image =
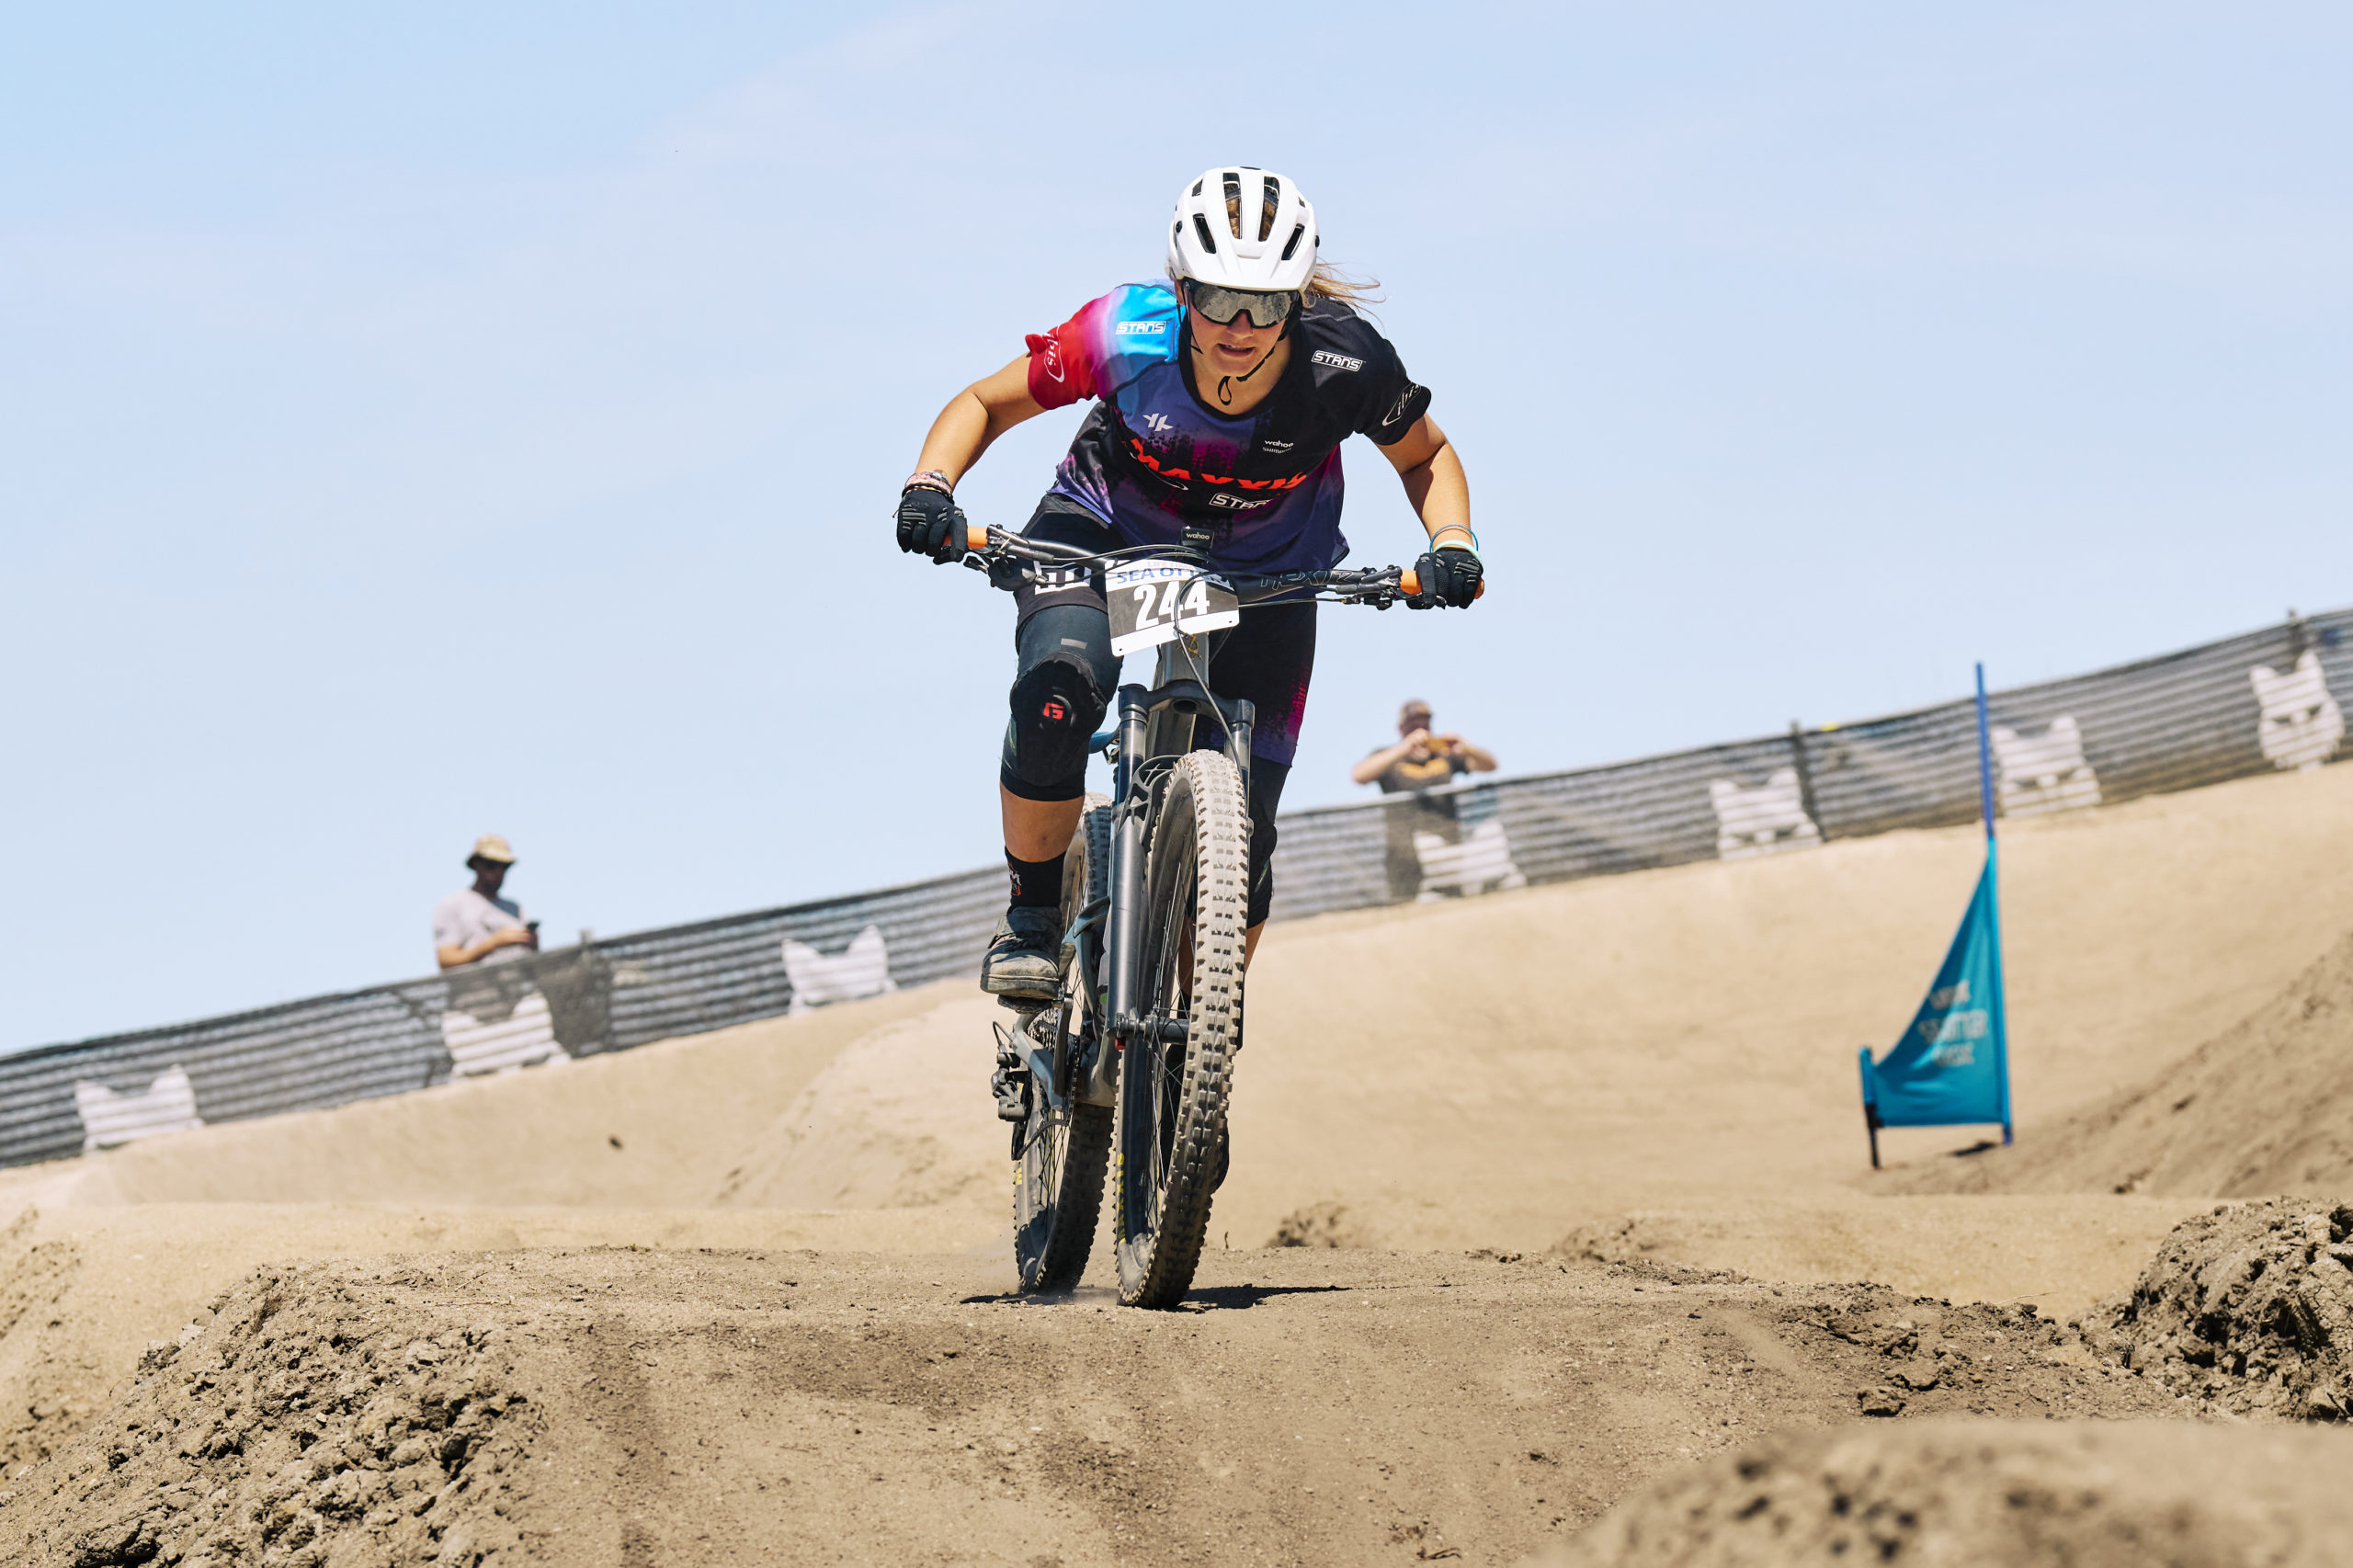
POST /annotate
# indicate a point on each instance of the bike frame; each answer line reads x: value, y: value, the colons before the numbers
x: 1156, y: 726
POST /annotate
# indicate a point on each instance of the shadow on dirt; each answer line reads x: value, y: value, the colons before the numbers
x: 1232, y: 1298
x: 1210, y: 1299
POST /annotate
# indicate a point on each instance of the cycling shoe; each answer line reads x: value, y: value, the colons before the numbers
x: 1024, y: 954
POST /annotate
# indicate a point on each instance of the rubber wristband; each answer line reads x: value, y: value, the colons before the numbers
x: 929, y: 479
x: 1463, y: 528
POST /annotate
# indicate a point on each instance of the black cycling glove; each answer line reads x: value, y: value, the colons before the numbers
x: 930, y: 523
x: 1449, y: 577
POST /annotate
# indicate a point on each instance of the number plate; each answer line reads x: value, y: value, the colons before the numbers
x: 1153, y: 601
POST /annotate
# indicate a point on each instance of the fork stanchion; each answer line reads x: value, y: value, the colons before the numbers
x: 1127, y: 856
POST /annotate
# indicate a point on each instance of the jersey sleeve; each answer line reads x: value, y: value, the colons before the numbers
x: 1063, y: 362
x: 1104, y: 346
x: 1393, y: 403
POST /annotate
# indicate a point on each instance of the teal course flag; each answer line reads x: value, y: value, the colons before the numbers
x: 1952, y: 1067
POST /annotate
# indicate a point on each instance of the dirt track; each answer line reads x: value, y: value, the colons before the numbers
x: 1311, y: 1407
x: 1636, y: 1074
x: 2109, y: 1494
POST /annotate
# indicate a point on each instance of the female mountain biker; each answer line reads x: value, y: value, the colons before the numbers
x: 1222, y: 396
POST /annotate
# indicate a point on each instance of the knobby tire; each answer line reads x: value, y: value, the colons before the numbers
x: 1058, y: 1172
x: 1173, y: 1095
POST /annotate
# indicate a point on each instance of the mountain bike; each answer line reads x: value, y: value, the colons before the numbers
x: 1136, y: 1050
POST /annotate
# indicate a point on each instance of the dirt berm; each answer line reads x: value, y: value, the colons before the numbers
x: 1981, y: 1493
x: 2266, y: 1106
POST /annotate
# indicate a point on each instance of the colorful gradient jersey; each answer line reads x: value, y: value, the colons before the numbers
x: 1153, y: 458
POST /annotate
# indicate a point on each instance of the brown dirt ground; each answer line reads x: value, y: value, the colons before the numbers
x: 1634, y: 1087
x: 620, y: 1406
x: 1961, y: 1494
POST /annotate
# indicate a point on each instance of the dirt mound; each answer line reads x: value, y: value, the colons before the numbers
x: 1309, y: 1406
x: 2249, y: 1309
x: 2265, y: 1107
x: 295, y: 1416
x: 1326, y: 1224
x: 898, y: 1118
x: 2135, y: 1494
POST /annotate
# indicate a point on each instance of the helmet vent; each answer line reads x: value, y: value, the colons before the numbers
x: 1201, y: 227
x: 1274, y: 195
x: 1199, y: 183
x: 1234, y: 202
x: 1291, y: 246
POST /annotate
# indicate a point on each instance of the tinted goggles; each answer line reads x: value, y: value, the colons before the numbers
x: 1221, y: 305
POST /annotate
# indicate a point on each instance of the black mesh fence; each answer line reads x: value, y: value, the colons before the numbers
x: 2255, y: 704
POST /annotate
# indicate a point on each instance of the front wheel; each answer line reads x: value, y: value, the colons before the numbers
x: 1176, y: 1078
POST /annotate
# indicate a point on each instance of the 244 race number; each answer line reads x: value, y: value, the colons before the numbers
x: 1154, y: 602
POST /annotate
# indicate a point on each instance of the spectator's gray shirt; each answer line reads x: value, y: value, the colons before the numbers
x: 465, y: 918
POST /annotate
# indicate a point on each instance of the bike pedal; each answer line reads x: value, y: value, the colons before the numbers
x: 1011, y: 1087
x: 1010, y: 1081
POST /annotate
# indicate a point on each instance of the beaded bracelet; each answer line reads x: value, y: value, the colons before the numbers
x: 929, y: 479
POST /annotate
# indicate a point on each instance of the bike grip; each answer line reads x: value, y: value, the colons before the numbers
x: 1409, y: 582
x: 976, y: 536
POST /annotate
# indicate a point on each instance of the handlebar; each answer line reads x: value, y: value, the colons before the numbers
x: 1378, y: 585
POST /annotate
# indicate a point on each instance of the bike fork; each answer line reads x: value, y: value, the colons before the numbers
x: 1126, y: 882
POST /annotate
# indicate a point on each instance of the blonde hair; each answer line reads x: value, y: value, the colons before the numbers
x: 1328, y: 282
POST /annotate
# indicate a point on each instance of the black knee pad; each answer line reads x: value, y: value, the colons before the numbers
x: 1056, y: 706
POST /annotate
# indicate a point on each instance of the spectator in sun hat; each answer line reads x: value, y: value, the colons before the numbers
x: 475, y: 925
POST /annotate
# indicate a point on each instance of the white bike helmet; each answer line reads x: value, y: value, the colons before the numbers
x: 1207, y: 243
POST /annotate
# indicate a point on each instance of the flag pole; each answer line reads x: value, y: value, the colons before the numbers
x: 1984, y: 761
x: 1993, y: 887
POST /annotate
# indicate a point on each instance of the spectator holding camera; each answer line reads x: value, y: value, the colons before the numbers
x: 1420, y: 758
x: 1417, y: 763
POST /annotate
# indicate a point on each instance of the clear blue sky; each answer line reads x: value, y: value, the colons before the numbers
x: 421, y: 420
